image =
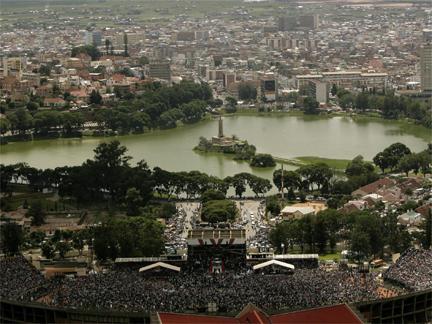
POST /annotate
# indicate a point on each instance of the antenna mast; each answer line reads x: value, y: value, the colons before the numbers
x: 282, y: 183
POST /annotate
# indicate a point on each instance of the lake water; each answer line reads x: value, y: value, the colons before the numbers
x: 281, y: 136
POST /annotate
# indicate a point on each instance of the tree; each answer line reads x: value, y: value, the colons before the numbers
x: 128, y: 237
x: 272, y: 205
x: 5, y: 125
x: 166, y: 210
x: 346, y: 100
x: 390, y: 157
x: 381, y: 161
x: 133, y: 202
x: 20, y: 120
x: 32, y: 106
x: 258, y: 185
x: 108, y: 166
x: 45, y: 70
x: 231, y: 106
x: 359, y: 173
x: 37, y: 238
x: 362, y: 101
x: 125, y: 41
x: 367, y: 227
x: 37, y: 213
x: 334, y: 89
x: 95, y: 97
x: 90, y: 50
x: 215, y: 211
x: 143, y: 60
x: 44, y: 121
x: 310, y: 106
x: 291, y: 179
x: 247, y: 91
x: 238, y: 181
x: 193, y: 111
x: 281, y: 235
x: 107, y: 45
x: 320, y: 233
x: 78, y: 239
x: 212, y: 194
x: 48, y: 250
x: 360, y: 243
x: 12, y: 238
x: 263, y: 161
x: 63, y: 247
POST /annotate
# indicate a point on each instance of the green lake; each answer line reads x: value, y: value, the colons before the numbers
x: 280, y: 135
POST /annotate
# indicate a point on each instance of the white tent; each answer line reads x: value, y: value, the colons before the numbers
x: 160, y: 264
x: 273, y: 262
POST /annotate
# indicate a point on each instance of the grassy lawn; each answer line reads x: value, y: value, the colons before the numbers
x: 330, y: 256
x: 340, y: 164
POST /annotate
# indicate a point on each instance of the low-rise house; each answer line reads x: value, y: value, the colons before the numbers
x: 316, y: 205
x: 392, y: 195
x: 410, y: 218
x: 54, y: 102
x: 373, y: 187
x: 424, y: 210
x: 353, y: 206
x: 292, y: 212
x: 410, y: 184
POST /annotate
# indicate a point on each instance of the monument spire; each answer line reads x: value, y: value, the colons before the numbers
x: 220, y: 127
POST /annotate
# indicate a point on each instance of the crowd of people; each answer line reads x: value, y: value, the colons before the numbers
x: 128, y: 290
x: 413, y: 270
x: 19, y: 279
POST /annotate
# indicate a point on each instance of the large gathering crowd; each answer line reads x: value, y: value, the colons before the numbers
x: 126, y: 289
x: 413, y: 269
x: 19, y: 279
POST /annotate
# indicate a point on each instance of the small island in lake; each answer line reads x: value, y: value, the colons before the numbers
x: 241, y: 150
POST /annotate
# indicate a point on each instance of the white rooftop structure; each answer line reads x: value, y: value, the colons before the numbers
x: 273, y: 262
x: 160, y: 265
x: 303, y: 210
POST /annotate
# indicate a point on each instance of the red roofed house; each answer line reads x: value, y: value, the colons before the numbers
x: 253, y: 315
x: 54, y: 102
x: 373, y: 187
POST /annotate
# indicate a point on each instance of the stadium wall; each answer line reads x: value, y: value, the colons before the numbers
x: 20, y: 312
x: 409, y: 308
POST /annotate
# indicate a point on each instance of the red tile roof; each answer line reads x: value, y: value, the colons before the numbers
x: 331, y: 314
x: 374, y: 186
x: 174, y: 318
x: 252, y: 315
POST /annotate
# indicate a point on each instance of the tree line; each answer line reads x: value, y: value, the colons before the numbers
x: 366, y: 232
x: 110, y: 176
x: 389, y: 105
x: 158, y: 106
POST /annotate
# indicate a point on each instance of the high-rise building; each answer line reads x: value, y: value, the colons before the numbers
x: 97, y: 38
x: 426, y: 62
x: 93, y: 37
x: 229, y: 78
x: 12, y: 66
x: 288, y: 23
x: 160, y: 70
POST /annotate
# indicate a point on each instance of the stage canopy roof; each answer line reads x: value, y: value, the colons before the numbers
x: 273, y: 262
x: 161, y: 265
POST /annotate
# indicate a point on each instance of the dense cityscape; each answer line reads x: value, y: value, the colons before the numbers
x: 216, y: 161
